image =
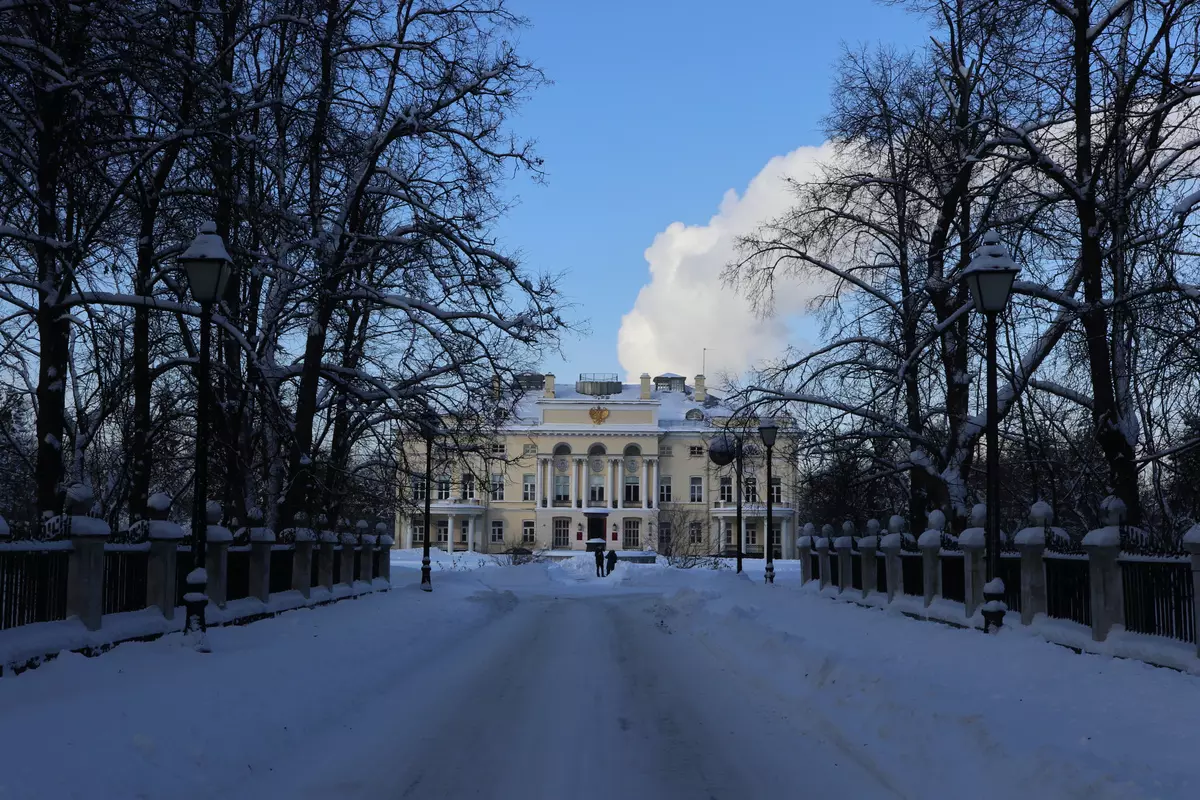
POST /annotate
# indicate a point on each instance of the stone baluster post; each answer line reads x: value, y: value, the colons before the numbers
x: 302, y: 556
x: 216, y: 555
x: 348, y: 541
x: 892, y: 544
x: 366, y: 553
x: 261, y: 541
x: 930, y: 543
x: 328, y: 542
x: 85, y: 565
x: 822, y: 543
x: 974, y: 545
x: 383, y: 565
x: 164, y: 536
x: 1031, y: 542
x: 845, y: 551
x: 867, y: 546
x: 804, y: 546
x: 1103, y: 547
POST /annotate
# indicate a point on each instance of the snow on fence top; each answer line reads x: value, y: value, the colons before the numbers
x: 1193, y: 535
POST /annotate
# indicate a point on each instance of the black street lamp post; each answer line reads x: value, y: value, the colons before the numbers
x: 207, y: 265
x: 429, y: 425
x: 767, y: 429
x: 722, y: 451
x: 990, y: 278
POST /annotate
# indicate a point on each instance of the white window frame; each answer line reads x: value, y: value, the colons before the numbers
x: 468, y: 484
x: 499, y: 450
x: 776, y: 490
x: 695, y: 451
x: 443, y: 530
x: 696, y: 489
x: 750, y: 489
x: 631, y: 532
x: 664, y: 534
x: 666, y: 452
x: 497, y: 528
x: 529, y: 450
x: 528, y: 532
x: 695, y: 533
x: 443, y: 488
x: 418, y: 485
x: 529, y: 488
x: 418, y: 531
x: 726, y: 491
x: 497, y: 486
x: 664, y: 489
x: 562, y: 488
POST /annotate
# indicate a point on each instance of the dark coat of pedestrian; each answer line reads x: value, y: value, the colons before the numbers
x: 612, y: 560
x: 599, y: 563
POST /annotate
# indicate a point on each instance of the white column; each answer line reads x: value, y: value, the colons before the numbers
x: 453, y: 521
x: 471, y: 533
x: 608, y: 495
x: 785, y: 540
x: 646, y: 482
x: 537, y: 481
x: 574, y: 480
x: 620, y: 466
x: 548, y: 480
x: 717, y: 545
x: 745, y: 519
x: 408, y: 531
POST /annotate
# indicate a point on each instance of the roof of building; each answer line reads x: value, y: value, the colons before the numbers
x: 673, y: 406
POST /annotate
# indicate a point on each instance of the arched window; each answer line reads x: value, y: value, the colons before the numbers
x: 562, y: 474
x: 695, y: 415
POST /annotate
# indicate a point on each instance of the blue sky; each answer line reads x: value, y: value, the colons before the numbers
x: 658, y: 108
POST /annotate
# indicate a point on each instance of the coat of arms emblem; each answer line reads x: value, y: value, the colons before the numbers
x: 598, y: 414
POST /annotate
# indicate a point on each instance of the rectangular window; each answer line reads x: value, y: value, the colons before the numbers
x: 498, y: 449
x: 751, y: 533
x: 443, y: 487
x: 468, y: 486
x: 596, y: 490
x: 750, y: 487
x: 497, y: 486
x: 529, y: 450
x: 665, y: 452
x: 418, y: 532
x: 664, y: 535
x: 633, y: 534
x: 562, y: 533
x: 726, y: 489
x: 776, y: 490
x: 697, y: 490
x: 527, y: 532
x: 443, y: 530
x: 696, y: 451
x: 729, y: 533
x: 464, y: 530
x: 777, y: 540
x: 695, y: 533
x: 497, y: 531
x: 528, y: 489
x: 418, y: 488
x: 562, y: 488
x: 632, y: 489
x: 664, y: 489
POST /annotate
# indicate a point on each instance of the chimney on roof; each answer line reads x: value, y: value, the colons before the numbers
x: 549, y: 385
x: 701, y: 393
x: 645, y: 385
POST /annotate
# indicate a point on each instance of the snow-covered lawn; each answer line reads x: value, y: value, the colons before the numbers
x: 542, y: 681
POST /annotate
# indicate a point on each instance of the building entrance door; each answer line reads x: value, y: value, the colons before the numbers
x: 595, y: 530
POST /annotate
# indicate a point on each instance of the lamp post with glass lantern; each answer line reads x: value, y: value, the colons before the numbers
x: 990, y: 278
x: 208, y: 266
x: 428, y: 425
x: 767, y: 429
x: 721, y: 451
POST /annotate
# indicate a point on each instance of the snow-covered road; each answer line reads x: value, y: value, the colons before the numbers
x: 543, y: 682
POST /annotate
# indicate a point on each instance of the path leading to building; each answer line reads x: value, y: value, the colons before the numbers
x: 544, y: 682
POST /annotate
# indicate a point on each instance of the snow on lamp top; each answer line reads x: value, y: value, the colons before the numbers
x: 207, y: 264
x: 990, y: 275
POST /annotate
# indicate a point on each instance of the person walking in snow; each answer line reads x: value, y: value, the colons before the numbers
x: 599, y: 563
x: 612, y: 560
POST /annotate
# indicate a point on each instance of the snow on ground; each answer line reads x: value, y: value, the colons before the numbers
x: 543, y: 681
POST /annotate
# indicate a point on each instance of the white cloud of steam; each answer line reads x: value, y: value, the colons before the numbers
x: 685, y: 307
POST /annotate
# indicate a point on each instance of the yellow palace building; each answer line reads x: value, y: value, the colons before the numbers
x: 626, y: 463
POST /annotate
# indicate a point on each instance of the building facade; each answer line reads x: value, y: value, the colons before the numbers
x: 626, y: 463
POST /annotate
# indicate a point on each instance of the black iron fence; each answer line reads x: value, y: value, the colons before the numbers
x: 281, y: 568
x: 835, y: 570
x: 33, y: 586
x: 913, y: 572
x: 237, y: 573
x: 125, y: 573
x: 856, y: 569
x: 1009, y: 571
x: 1159, y: 596
x: 954, y: 581
x: 315, y: 574
x: 816, y: 565
x: 357, y: 565
x: 1068, y: 587
x: 881, y: 573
